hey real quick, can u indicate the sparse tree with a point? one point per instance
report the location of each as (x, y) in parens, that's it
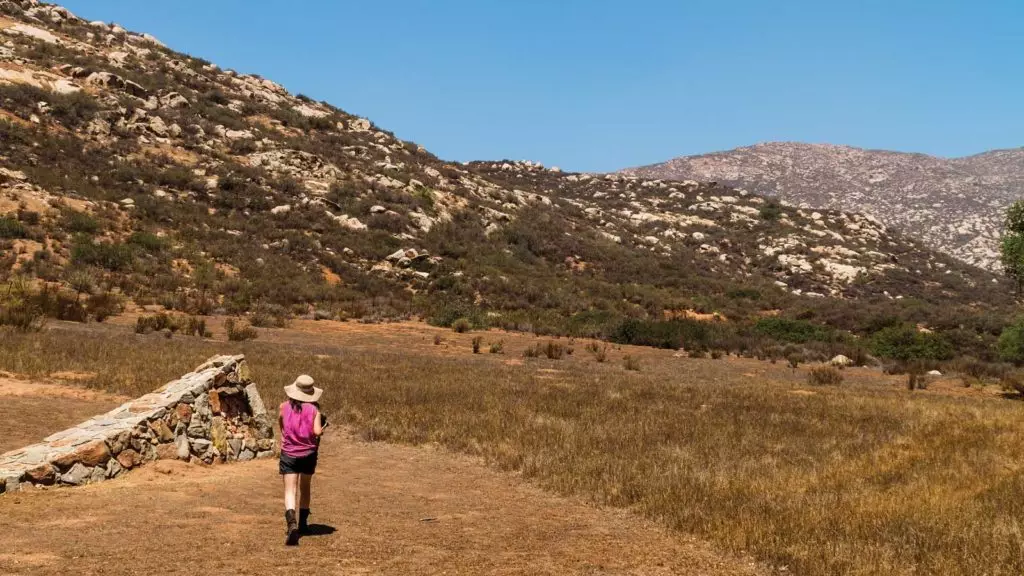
(82, 282)
(1012, 246)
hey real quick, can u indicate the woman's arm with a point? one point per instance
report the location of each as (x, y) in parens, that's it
(318, 424)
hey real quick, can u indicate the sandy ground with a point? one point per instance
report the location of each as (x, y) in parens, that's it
(378, 509)
(31, 411)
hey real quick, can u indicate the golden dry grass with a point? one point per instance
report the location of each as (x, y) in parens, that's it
(862, 478)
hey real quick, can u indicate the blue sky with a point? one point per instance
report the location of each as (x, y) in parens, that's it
(600, 85)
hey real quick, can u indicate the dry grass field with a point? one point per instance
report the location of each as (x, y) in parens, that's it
(862, 478)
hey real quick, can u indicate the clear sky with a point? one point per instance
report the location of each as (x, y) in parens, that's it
(599, 85)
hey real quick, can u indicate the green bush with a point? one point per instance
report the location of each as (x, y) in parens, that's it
(11, 228)
(111, 256)
(670, 334)
(77, 222)
(907, 343)
(462, 325)
(793, 331)
(1011, 344)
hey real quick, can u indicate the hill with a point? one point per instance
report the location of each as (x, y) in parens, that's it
(133, 173)
(955, 206)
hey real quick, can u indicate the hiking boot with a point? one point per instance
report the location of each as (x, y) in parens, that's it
(293, 528)
(304, 521)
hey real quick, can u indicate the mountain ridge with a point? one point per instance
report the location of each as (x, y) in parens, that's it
(954, 205)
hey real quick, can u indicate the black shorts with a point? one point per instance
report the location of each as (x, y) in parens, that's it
(301, 465)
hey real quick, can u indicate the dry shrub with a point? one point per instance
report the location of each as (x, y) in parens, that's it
(462, 325)
(477, 343)
(825, 376)
(238, 331)
(498, 347)
(631, 363)
(438, 340)
(554, 350)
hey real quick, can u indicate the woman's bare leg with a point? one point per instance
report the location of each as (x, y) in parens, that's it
(291, 487)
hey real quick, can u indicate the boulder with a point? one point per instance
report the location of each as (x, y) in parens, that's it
(167, 451)
(114, 468)
(129, 459)
(174, 100)
(94, 453)
(161, 430)
(182, 449)
(935, 373)
(44, 475)
(841, 360)
(77, 475)
(282, 209)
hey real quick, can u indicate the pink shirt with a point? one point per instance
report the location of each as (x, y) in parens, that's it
(297, 438)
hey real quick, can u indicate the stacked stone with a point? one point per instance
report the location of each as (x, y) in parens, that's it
(214, 414)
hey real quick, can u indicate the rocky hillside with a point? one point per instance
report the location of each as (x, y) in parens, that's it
(129, 169)
(953, 205)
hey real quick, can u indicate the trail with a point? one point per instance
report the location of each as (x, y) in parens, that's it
(379, 508)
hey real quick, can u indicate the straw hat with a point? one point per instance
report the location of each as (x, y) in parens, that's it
(303, 390)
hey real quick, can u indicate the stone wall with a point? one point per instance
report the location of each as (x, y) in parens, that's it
(213, 414)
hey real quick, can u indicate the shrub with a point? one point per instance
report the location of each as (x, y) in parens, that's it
(825, 376)
(1013, 382)
(477, 342)
(111, 256)
(156, 323)
(77, 222)
(11, 228)
(269, 316)
(532, 352)
(498, 347)
(771, 210)
(794, 360)
(906, 343)
(631, 363)
(462, 325)
(150, 243)
(1011, 344)
(103, 305)
(716, 354)
(18, 309)
(554, 351)
(438, 339)
(196, 326)
(793, 331)
(238, 332)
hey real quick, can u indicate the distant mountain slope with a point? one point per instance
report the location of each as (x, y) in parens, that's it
(131, 169)
(953, 205)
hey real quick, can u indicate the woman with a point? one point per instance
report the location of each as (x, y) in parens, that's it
(301, 427)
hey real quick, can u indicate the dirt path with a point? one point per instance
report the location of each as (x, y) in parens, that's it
(31, 411)
(383, 509)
